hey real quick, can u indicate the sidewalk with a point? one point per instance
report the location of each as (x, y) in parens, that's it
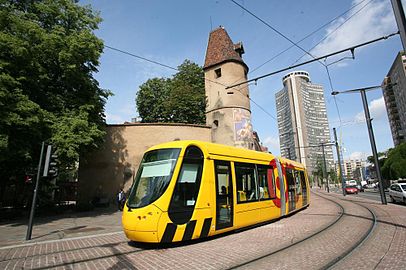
(68, 225)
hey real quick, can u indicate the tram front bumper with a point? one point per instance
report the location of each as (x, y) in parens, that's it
(141, 224)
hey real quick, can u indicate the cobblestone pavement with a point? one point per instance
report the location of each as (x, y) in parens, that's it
(74, 224)
(107, 248)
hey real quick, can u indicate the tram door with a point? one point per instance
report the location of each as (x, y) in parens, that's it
(282, 187)
(304, 187)
(290, 179)
(224, 195)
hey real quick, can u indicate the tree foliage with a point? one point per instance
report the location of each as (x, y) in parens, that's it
(395, 165)
(177, 100)
(48, 54)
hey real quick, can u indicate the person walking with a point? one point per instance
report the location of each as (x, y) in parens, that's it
(121, 199)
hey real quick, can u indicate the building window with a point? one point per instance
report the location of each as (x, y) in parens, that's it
(218, 72)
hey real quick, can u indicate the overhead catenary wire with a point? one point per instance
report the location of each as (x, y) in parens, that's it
(176, 69)
(140, 57)
(313, 60)
(307, 52)
(312, 33)
(153, 61)
(273, 28)
(341, 24)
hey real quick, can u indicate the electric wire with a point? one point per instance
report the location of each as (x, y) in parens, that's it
(176, 69)
(295, 44)
(153, 62)
(335, 30)
(274, 29)
(310, 61)
(140, 57)
(308, 35)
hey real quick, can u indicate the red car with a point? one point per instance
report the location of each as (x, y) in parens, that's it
(351, 190)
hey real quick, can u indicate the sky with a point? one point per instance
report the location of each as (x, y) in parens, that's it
(169, 32)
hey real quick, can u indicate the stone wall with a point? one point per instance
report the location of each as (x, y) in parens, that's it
(114, 166)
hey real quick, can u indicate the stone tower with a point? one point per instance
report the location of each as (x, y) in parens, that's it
(228, 110)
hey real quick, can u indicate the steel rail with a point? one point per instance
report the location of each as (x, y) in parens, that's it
(339, 217)
(360, 241)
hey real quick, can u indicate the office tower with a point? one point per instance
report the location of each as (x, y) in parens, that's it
(394, 92)
(302, 121)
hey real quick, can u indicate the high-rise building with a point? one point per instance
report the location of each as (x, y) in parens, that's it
(353, 169)
(394, 92)
(228, 111)
(302, 121)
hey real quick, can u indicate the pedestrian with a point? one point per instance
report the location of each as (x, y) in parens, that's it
(120, 199)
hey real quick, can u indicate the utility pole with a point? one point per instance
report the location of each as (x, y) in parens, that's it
(370, 132)
(340, 171)
(400, 20)
(34, 197)
(373, 145)
(325, 176)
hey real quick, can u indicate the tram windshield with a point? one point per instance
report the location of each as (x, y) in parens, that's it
(153, 176)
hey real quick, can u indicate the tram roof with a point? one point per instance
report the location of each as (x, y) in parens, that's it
(214, 149)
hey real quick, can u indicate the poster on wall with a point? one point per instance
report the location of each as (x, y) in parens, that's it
(242, 125)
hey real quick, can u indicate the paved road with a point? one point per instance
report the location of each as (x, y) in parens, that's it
(107, 247)
(371, 194)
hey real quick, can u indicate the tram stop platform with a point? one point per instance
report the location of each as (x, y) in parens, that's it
(94, 240)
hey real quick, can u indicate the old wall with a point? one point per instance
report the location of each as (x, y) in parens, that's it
(116, 163)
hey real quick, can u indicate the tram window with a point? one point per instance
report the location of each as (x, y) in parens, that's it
(187, 186)
(265, 182)
(303, 181)
(290, 179)
(246, 182)
(298, 183)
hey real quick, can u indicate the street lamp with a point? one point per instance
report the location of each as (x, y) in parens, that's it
(370, 131)
(323, 144)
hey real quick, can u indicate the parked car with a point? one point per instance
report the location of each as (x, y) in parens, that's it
(350, 189)
(360, 187)
(397, 192)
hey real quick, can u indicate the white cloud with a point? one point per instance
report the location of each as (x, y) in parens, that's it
(272, 143)
(114, 119)
(358, 155)
(373, 21)
(377, 110)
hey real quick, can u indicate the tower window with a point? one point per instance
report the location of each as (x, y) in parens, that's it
(218, 72)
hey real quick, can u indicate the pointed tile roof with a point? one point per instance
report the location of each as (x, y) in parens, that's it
(221, 49)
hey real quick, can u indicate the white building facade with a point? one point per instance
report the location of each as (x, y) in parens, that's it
(302, 121)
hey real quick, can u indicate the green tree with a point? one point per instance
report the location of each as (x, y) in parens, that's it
(381, 161)
(150, 99)
(177, 100)
(395, 165)
(48, 55)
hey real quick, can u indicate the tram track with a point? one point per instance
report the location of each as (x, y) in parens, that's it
(362, 240)
(377, 259)
(282, 258)
(307, 245)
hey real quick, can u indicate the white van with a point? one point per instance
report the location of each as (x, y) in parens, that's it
(350, 183)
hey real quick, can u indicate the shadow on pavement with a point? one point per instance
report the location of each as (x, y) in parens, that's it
(43, 217)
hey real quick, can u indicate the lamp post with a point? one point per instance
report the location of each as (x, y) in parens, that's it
(324, 163)
(370, 132)
(340, 171)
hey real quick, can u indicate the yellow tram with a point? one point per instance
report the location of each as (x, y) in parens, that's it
(186, 190)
